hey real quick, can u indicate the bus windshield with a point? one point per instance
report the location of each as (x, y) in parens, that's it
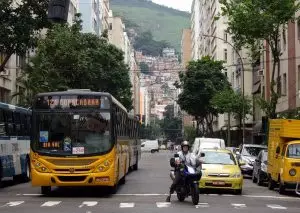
(71, 133)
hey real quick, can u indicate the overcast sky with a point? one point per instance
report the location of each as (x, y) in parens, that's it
(184, 5)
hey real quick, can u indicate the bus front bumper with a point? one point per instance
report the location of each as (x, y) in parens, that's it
(84, 179)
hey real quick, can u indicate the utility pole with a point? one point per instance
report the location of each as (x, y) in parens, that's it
(58, 11)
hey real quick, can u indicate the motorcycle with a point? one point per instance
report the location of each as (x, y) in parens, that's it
(189, 181)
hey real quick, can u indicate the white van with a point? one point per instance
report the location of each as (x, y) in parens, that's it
(207, 143)
(150, 146)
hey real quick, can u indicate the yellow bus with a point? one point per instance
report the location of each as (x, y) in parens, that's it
(82, 138)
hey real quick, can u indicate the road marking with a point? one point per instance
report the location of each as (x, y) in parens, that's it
(126, 205)
(50, 203)
(202, 205)
(238, 205)
(270, 196)
(275, 206)
(141, 194)
(163, 204)
(13, 203)
(88, 203)
(225, 195)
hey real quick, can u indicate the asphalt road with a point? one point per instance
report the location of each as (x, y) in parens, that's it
(145, 191)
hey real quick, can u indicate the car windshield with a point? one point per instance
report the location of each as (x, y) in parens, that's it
(72, 133)
(223, 158)
(251, 150)
(293, 151)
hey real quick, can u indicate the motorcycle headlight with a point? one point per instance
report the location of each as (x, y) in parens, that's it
(236, 175)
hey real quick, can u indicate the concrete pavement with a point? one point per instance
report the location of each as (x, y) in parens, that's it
(145, 191)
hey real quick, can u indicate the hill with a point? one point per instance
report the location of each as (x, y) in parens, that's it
(142, 15)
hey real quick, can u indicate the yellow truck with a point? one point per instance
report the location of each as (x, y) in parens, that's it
(284, 154)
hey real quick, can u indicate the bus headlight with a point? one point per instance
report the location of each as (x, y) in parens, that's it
(292, 172)
(104, 166)
(40, 167)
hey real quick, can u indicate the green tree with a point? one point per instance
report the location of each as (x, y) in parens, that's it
(170, 125)
(232, 103)
(253, 20)
(144, 68)
(20, 24)
(148, 45)
(190, 134)
(200, 83)
(67, 58)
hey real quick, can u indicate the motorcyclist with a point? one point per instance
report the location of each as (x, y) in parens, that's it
(189, 159)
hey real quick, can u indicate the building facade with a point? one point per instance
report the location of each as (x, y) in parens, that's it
(195, 28)
(93, 13)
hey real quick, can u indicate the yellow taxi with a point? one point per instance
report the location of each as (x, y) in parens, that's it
(221, 170)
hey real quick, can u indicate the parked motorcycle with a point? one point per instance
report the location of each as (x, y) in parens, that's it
(189, 182)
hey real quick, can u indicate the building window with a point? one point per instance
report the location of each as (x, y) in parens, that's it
(298, 78)
(225, 73)
(225, 55)
(298, 23)
(284, 84)
(225, 36)
(95, 25)
(279, 86)
(284, 38)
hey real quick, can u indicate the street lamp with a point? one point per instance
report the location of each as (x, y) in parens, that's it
(243, 77)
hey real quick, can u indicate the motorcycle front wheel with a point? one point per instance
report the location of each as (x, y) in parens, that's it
(195, 194)
(180, 197)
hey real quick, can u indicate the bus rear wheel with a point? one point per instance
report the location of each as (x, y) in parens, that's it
(45, 190)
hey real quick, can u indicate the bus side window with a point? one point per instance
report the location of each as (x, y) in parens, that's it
(2, 123)
(9, 123)
(17, 123)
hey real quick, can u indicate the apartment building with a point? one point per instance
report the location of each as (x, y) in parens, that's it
(94, 13)
(209, 37)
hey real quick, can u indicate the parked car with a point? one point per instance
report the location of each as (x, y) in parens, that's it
(260, 166)
(248, 153)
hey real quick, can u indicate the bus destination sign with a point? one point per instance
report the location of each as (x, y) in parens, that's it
(72, 102)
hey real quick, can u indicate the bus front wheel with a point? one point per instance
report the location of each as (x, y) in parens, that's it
(45, 190)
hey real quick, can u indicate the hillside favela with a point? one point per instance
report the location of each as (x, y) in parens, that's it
(149, 106)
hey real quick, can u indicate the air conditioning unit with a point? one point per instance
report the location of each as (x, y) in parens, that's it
(260, 73)
(5, 72)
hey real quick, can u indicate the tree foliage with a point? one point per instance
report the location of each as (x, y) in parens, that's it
(144, 68)
(190, 134)
(200, 83)
(232, 102)
(20, 24)
(250, 21)
(148, 45)
(170, 125)
(67, 58)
